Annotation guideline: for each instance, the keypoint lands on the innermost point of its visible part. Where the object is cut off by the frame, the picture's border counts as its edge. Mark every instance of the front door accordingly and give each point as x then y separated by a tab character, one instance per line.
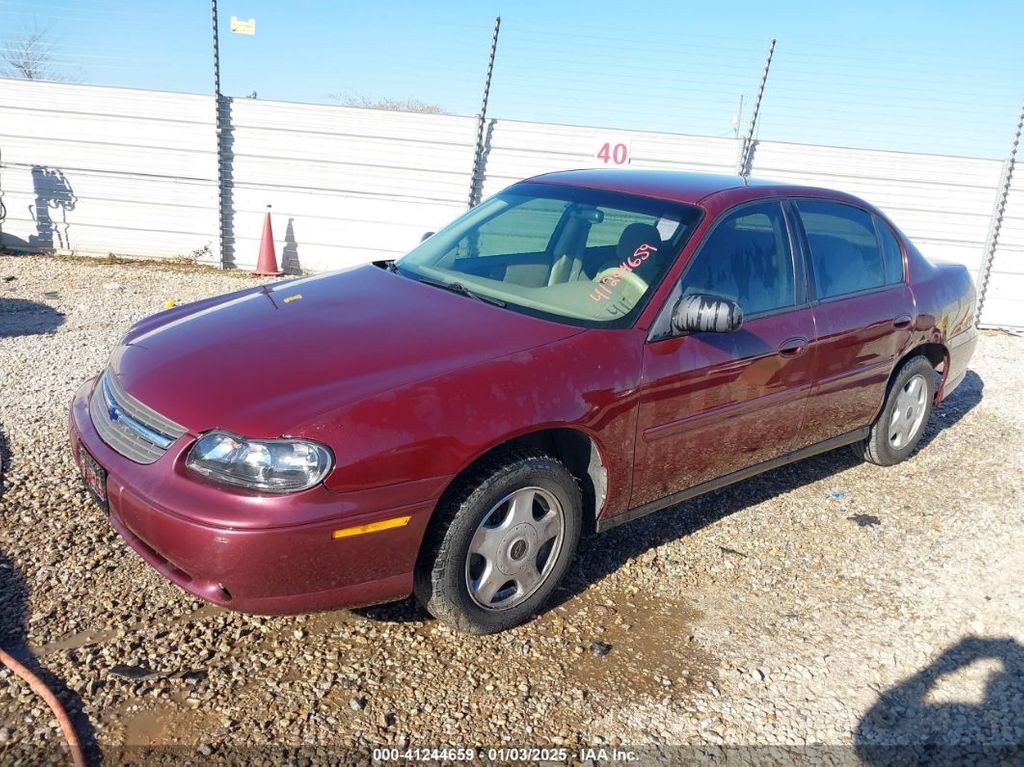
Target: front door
714	403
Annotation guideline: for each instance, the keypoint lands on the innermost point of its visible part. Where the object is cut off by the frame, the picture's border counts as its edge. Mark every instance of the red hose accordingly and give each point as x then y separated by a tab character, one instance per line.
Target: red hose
51	700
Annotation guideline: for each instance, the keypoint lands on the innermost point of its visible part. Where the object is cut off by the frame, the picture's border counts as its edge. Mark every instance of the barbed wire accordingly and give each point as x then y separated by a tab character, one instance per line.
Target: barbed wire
693	83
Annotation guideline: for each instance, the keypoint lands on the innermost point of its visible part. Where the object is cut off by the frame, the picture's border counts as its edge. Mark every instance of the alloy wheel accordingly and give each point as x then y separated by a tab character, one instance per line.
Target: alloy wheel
908	413
514	548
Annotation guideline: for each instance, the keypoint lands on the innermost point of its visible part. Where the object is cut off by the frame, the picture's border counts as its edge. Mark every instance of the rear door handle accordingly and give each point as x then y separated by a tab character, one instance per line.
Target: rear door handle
791	347
903	321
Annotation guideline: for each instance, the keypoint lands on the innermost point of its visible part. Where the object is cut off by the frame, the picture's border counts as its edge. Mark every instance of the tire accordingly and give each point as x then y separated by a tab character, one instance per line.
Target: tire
519	511
894	435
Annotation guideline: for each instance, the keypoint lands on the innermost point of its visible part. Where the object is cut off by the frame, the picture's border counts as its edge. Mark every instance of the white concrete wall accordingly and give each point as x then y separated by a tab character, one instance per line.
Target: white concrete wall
518	150
1004	299
353	185
116	170
944	204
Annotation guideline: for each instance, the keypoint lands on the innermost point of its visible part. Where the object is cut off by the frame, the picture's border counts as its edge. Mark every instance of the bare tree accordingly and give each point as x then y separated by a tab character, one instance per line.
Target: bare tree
388	104
29	56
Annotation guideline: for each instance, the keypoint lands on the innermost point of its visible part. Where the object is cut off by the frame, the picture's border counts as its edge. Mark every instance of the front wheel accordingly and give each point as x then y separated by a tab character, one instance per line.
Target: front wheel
903	419
501	544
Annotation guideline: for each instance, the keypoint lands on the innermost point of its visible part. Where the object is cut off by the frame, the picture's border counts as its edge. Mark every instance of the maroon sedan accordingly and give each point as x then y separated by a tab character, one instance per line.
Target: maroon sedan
582	349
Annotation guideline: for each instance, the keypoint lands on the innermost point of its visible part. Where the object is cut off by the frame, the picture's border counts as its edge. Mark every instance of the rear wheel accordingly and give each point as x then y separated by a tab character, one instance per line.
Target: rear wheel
899	427
501	544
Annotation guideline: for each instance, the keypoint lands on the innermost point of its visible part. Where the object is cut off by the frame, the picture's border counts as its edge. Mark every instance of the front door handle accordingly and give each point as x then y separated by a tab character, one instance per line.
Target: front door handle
903	321
791	347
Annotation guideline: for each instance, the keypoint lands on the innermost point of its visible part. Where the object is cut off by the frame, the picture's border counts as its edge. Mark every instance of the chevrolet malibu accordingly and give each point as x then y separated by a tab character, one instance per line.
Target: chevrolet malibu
585	348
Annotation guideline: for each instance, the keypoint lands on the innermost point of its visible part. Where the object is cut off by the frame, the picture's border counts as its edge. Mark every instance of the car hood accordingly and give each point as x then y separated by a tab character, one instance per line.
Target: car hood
261	361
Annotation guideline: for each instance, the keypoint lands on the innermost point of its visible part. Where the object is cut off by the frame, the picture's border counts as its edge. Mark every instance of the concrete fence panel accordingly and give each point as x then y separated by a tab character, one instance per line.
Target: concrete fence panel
97	170
1004	299
346	185
944	204
516	150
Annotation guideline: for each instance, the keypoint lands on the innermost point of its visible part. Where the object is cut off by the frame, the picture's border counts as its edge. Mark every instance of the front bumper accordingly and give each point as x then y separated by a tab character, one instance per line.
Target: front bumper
221	545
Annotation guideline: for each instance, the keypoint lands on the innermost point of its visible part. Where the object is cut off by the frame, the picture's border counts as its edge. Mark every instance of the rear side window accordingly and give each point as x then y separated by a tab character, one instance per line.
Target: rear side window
891	253
845	256
747	258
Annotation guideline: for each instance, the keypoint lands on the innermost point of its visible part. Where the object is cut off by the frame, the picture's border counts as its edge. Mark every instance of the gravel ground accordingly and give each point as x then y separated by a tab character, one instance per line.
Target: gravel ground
830	603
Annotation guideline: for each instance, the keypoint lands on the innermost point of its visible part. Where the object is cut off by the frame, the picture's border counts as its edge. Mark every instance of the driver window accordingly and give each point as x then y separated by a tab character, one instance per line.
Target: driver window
747	258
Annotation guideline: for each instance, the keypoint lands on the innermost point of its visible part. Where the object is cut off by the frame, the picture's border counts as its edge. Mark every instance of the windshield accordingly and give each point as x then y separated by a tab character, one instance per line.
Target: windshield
580	256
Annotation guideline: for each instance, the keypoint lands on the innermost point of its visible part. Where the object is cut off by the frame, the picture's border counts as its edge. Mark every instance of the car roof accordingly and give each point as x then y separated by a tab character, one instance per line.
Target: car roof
684	186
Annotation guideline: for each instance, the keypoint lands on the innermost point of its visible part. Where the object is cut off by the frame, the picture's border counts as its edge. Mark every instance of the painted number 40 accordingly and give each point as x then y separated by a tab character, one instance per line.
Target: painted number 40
613	153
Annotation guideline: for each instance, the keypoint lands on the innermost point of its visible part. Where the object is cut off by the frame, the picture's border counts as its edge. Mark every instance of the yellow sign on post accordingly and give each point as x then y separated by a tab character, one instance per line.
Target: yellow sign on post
242	27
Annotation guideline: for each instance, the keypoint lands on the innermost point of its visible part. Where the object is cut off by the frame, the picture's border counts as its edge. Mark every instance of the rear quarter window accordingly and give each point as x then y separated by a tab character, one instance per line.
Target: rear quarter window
892	253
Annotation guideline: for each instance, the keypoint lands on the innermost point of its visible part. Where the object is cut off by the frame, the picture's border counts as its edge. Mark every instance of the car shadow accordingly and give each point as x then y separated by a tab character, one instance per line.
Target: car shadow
919	722
600	555
21	317
964	398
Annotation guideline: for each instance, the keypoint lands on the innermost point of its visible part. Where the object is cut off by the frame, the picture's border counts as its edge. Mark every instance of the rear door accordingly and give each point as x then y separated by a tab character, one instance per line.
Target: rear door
863	314
713	403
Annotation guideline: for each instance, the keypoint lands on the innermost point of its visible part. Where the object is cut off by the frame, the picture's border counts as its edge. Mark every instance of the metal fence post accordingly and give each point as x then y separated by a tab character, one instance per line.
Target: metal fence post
992	241
476	184
743	164
224	212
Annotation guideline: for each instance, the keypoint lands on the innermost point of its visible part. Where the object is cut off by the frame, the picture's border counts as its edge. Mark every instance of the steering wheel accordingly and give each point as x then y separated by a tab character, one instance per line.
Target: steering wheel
630	285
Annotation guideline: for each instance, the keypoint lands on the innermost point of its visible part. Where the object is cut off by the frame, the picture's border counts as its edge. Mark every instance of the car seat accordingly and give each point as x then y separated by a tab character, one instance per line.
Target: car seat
631	240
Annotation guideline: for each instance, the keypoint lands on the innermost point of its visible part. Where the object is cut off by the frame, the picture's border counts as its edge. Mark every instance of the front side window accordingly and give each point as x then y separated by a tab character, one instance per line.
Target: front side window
747	258
845	256
582	256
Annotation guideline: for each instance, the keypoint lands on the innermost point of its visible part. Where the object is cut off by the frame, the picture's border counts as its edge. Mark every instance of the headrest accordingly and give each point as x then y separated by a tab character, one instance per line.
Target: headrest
635	235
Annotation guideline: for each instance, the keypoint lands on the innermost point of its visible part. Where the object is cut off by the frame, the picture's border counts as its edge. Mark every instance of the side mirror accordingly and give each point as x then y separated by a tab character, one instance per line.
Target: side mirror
703	313
426	236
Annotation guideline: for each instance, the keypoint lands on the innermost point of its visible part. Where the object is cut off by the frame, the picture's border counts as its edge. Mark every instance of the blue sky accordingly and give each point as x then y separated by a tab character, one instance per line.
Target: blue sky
943	77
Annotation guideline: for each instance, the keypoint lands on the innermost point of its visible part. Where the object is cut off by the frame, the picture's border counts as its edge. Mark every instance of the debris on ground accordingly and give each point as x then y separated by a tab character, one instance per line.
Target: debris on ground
795	636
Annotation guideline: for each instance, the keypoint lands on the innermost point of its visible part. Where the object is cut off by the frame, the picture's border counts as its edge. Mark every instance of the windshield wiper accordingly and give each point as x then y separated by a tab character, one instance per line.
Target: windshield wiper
388	264
458	287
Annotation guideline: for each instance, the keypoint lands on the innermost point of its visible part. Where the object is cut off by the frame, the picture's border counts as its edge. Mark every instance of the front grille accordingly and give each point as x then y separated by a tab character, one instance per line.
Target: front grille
137	432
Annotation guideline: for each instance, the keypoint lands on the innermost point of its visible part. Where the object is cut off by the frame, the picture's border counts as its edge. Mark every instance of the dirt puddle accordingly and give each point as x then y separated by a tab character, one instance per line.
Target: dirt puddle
88	637
634	643
154	725
77	640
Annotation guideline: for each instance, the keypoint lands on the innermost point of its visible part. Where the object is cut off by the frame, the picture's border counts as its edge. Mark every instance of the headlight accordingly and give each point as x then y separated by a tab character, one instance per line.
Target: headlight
270	465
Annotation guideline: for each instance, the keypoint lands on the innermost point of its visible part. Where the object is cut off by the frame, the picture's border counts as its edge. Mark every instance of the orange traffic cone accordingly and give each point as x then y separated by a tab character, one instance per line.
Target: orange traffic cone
267	264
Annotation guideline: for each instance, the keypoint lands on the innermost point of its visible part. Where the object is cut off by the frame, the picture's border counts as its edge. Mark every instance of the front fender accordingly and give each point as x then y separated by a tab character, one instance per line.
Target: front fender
439	427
